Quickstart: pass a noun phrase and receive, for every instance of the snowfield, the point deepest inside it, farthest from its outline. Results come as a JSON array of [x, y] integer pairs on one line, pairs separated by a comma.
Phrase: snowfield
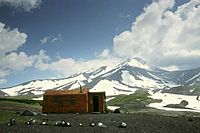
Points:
[[112, 88], [168, 98], [127, 78]]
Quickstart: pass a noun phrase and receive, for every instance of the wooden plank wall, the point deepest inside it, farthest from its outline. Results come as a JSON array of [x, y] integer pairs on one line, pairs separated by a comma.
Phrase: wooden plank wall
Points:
[[70, 103]]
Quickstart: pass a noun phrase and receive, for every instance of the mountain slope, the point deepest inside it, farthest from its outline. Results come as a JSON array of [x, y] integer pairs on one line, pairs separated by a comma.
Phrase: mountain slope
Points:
[[125, 78]]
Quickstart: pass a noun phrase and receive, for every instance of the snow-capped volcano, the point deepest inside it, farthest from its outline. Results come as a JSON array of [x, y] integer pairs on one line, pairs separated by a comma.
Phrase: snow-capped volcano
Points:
[[127, 77]]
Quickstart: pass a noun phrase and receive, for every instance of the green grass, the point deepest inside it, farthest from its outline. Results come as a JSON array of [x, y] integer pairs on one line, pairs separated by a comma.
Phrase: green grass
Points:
[[20, 105], [5, 116], [27, 96], [135, 101], [9, 107], [27, 101]]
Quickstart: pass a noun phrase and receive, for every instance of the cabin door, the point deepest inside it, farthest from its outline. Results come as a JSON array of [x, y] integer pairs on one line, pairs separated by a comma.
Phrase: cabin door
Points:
[[95, 103]]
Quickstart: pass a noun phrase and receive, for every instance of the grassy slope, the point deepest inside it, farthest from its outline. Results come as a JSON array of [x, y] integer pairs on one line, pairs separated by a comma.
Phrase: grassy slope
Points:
[[9, 107], [135, 101], [29, 96]]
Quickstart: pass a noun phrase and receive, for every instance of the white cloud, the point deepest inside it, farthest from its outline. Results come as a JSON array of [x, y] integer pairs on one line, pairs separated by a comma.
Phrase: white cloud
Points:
[[44, 40], [26, 5], [41, 60], [171, 68], [67, 66], [16, 61], [10, 60], [163, 37], [10, 39], [104, 54], [51, 39], [3, 81]]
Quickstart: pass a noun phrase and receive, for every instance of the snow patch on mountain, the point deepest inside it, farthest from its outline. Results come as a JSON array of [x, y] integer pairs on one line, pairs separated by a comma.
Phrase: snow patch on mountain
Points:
[[142, 82], [40, 86], [76, 85], [100, 71], [194, 77], [112, 88], [168, 98], [138, 63]]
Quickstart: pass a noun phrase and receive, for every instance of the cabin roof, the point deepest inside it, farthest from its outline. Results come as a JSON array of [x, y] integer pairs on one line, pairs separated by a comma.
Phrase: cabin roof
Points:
[[66, 92]]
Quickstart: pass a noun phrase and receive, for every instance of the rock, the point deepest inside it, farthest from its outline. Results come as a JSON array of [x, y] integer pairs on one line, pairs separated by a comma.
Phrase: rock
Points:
[[28, 113], [101, 125], [27, 123], [80, 124], [126, 112], [183, 103], [68, 124], [18, 112], [58, 123], [12, 122], [32, 121], [44, 122], [190, 119], [92, 124], [62, 123], [123, 125], [116, 111]]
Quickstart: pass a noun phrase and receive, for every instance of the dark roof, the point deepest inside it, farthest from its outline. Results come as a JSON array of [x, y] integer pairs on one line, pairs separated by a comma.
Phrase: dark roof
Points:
[[66, 92]]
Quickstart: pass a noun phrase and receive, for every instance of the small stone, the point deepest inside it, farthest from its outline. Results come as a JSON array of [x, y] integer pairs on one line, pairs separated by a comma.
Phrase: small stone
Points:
[[101, 125], [92, 124], [44, 123], [68, 124], [123, 125]]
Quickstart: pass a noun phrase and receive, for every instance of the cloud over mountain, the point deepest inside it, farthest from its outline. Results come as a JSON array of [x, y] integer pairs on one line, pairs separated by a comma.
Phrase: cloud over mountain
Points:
[[163, 35]]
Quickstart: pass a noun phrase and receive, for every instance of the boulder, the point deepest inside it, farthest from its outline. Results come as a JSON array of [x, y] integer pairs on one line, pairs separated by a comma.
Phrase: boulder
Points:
[[116, 111], [28, 113]]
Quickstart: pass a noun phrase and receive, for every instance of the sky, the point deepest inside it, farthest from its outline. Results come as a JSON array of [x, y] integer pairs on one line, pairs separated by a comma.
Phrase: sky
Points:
[[42, 39]]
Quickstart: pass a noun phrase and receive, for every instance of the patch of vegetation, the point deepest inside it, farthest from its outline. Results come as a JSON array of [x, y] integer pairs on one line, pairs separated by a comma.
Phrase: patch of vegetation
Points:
[[27, 101], [28, 96], [135, 101], [19, 105], [5, 116], [12, 108]]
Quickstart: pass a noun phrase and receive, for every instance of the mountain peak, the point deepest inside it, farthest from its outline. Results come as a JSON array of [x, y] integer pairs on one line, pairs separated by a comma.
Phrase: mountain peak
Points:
[[135, 62]]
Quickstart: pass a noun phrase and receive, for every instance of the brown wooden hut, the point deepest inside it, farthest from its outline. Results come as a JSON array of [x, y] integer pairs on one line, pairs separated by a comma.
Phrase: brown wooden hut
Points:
[[73, 101]]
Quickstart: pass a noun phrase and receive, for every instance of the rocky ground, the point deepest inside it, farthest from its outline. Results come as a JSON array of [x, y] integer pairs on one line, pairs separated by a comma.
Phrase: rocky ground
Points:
[[136, 123]]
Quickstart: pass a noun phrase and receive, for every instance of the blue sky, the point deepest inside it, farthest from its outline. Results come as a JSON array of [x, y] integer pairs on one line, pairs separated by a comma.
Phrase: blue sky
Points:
[[51, 39]]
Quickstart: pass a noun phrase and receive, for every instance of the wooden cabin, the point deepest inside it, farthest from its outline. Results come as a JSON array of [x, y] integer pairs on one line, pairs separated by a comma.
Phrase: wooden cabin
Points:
[[73, 101]]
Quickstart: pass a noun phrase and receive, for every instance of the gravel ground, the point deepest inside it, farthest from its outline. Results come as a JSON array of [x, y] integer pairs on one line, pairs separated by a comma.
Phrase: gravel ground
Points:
[[136, 123]]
